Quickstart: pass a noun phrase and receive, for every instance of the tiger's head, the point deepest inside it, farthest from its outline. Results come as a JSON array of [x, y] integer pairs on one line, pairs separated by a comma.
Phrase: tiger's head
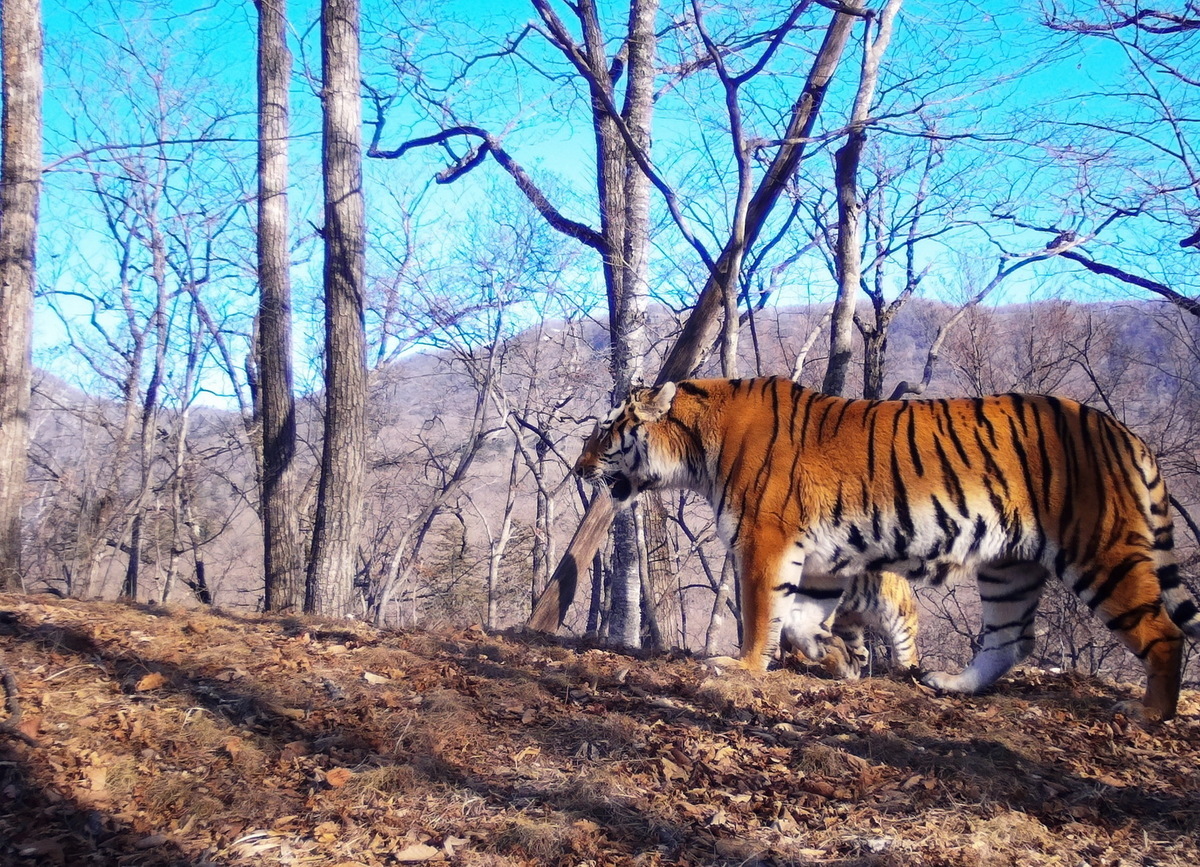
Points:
[[618, 452]]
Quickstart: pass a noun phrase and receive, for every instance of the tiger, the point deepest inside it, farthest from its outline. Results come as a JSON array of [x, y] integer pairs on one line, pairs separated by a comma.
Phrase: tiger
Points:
[[882, 603], [810, 490]]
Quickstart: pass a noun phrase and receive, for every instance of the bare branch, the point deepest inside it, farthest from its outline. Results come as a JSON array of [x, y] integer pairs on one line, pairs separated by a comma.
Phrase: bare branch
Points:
[[603, 97], [1154, 21], [1061, 246], [1184, 302], [489, 145]]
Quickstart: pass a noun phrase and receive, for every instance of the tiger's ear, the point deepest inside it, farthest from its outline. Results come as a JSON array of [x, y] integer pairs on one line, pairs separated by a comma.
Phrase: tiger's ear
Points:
[[653, 404]]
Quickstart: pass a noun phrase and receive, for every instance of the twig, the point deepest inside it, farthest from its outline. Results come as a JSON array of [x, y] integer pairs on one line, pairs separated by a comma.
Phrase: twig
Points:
[[10, 725]]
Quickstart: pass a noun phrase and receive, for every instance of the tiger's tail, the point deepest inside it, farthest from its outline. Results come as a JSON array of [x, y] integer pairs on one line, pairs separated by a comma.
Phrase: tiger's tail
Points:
[[1180, 605]]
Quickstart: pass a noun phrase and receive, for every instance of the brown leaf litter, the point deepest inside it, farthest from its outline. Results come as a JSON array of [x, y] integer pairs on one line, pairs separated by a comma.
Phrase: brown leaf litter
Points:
[[173, 737]]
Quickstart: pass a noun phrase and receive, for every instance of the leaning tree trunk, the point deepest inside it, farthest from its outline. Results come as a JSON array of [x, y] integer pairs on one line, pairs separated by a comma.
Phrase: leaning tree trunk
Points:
[[282, 556], [330, 583], [20, 184]]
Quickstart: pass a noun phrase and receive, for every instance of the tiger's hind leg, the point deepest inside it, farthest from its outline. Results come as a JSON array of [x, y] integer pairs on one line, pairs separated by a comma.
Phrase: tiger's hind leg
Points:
[[1010, 597], [1128, 599], [850, 629]]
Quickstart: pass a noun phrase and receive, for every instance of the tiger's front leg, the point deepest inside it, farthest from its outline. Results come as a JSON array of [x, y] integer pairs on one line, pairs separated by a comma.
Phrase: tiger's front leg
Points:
[[779, 600], [756, 569]]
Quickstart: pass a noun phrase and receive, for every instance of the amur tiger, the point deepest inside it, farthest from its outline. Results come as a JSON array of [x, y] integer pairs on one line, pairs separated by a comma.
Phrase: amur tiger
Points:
[[811, 490], [882, 603]]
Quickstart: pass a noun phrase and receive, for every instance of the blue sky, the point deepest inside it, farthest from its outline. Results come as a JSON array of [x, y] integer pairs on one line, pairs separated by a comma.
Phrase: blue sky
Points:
[[1000, 69]]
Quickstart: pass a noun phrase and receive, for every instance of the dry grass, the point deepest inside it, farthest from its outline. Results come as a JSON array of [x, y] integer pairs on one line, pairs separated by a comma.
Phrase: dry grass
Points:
[[264, 741]]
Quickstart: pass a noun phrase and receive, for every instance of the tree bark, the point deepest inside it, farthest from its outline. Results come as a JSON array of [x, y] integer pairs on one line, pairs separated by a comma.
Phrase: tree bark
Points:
[[282, 556], [159, 325], [20, 185], [331, 570], [849, 262]]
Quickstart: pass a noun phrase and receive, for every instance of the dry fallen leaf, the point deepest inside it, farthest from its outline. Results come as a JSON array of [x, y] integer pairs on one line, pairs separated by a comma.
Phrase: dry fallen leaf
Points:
[[784, 769], [417, 852], [44, 851], [153, 680], [294, 750]]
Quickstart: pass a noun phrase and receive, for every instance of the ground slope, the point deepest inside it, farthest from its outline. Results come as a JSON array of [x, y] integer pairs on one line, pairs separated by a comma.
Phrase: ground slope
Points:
[[163, 736]]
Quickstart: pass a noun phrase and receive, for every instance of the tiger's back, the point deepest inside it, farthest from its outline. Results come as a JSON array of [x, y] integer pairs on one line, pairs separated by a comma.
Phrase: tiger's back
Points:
[[810, 490]]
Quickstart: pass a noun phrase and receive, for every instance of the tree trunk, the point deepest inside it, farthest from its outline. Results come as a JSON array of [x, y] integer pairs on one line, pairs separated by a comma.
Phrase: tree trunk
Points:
[[657, 570], [721, 601], [330, 583], [848, 254], [874, 356], [499, 544], [625, 199], [624, 196], [160, 327], [180, 470], [282, 556], [849, 262], [20, 185]]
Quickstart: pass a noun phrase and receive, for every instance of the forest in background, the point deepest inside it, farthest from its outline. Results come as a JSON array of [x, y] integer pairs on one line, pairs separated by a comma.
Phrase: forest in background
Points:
[[304, 306], [324, 343], [469, 500]]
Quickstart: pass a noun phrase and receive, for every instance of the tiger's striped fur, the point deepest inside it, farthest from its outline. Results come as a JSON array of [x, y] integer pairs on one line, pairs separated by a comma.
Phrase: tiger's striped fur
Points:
[[810, 490]]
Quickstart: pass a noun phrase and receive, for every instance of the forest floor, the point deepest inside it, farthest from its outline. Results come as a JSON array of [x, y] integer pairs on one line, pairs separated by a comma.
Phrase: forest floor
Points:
[[151, 736]]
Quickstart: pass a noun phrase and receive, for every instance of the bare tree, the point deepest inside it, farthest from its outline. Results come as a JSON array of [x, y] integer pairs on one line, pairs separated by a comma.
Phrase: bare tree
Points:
[[276, 404], [20, 185], [1145, 127], [333, 562], [698, 332]]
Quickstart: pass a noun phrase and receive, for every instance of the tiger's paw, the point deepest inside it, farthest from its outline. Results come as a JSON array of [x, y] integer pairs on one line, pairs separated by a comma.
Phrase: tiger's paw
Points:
[[1138, 712], [944, 681], [718, 663]]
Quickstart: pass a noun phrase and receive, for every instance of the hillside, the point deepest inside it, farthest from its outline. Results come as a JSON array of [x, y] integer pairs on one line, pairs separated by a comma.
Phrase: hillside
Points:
[[167, 736]]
